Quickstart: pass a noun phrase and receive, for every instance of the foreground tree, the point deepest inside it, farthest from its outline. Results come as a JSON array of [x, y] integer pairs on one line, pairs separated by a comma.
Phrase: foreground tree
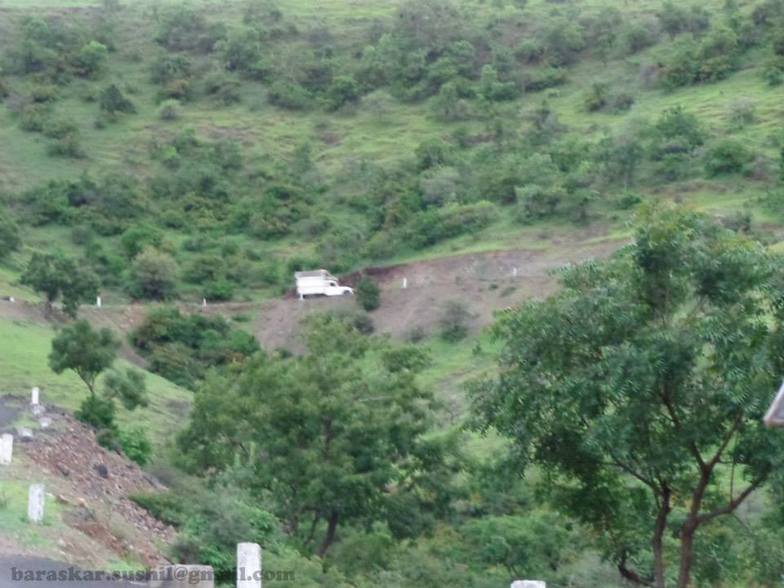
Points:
[[332, 437], [640, 388]]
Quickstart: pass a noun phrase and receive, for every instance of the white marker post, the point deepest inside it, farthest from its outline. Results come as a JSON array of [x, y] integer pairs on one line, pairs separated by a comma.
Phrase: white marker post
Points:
[[35, 503], [98, 301], [248, 565], [514, 272], [6, 448], [34, 393], [528, 584], [405, 283]]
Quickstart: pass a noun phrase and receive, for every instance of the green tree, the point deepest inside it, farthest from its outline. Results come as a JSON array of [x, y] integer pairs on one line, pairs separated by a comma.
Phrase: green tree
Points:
[[327, 435], [87, 352], [641, 386], [9, 235], [343, 90], [153, 275], [56, 276], [113, 101], [91, 58], [368, 293]]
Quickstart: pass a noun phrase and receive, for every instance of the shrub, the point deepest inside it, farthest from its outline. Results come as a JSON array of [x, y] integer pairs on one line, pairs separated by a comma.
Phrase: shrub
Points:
[[368, 294], [289, 95], [169, 110], [727, 157], [222, 88], [97, 412], [453, 324], [153, 275], [112, 101], [135, 445], [9, 235], [91, 58]]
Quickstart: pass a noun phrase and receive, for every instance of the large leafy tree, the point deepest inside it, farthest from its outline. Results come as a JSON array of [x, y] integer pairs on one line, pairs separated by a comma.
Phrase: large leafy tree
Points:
[[639, 389], [332, 437]]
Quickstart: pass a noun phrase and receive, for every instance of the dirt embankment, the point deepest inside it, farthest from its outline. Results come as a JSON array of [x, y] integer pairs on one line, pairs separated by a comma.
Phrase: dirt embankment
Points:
[[413, 295], [92, 487], [483, 282]]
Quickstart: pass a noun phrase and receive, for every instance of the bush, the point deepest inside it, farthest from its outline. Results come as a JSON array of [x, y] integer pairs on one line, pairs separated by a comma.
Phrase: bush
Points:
[[135, 445], [223, 89], [169, 110], [97, 412], [368, 294], [727, 157], [343, 90], [289, 95], [453, 324], [153, 275], [9, 235], [112, 101]]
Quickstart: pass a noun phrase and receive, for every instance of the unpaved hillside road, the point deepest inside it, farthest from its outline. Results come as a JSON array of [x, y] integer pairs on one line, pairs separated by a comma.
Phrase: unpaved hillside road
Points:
[[483, 282]]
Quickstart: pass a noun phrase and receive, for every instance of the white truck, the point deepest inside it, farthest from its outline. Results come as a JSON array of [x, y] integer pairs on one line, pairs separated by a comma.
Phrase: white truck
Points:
[[319, 283]]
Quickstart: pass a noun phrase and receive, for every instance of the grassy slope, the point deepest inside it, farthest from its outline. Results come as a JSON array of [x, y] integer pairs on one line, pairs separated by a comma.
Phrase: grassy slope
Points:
[[267, 133], [24, 348]]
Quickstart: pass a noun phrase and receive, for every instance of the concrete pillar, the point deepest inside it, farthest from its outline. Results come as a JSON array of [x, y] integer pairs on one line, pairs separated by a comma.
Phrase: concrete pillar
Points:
[[204, 303], [514, 272], [248, 565], [98, 301], [6, 448], [405, 283], [528, 584], [34, 393], [35, 503]]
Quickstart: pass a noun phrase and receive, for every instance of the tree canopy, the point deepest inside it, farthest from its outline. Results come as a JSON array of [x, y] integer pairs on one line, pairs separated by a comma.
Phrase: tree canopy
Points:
[[327, 435], [640, 388]]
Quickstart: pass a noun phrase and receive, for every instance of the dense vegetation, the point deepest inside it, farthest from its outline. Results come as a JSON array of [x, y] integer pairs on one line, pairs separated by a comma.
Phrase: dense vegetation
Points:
[[212, 209], [165, 152]]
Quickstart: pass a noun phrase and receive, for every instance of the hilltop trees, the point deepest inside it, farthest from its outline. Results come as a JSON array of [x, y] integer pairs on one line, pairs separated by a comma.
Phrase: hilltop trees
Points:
[[640, 389]]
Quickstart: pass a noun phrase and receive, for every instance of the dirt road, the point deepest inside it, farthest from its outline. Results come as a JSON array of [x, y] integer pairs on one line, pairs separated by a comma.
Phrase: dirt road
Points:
[[483, 282]]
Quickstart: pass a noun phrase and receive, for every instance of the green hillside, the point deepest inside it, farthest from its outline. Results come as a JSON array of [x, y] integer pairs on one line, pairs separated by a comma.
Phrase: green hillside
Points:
[[158, 151], [263, 137]]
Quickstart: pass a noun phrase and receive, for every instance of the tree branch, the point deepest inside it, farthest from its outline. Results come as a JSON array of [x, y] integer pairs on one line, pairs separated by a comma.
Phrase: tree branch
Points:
[[732, 504]]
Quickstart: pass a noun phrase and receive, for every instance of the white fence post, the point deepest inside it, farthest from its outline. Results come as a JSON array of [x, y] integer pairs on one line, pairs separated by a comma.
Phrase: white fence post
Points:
[[248, 565], [528, 584], [35, 503], [34, 393], [6, 448]]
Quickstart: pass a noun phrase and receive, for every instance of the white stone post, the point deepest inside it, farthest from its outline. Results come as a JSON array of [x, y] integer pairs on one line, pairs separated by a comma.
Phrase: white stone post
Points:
[[248, 565], [98, 301], [204, 303], [34, 395], [514, 272], [405, 283], [35, 503], [6, 448], [528, 584]]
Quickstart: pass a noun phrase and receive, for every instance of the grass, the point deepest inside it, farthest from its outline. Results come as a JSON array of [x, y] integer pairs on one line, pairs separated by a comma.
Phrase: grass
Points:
[[13, 515], [24, 348]]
